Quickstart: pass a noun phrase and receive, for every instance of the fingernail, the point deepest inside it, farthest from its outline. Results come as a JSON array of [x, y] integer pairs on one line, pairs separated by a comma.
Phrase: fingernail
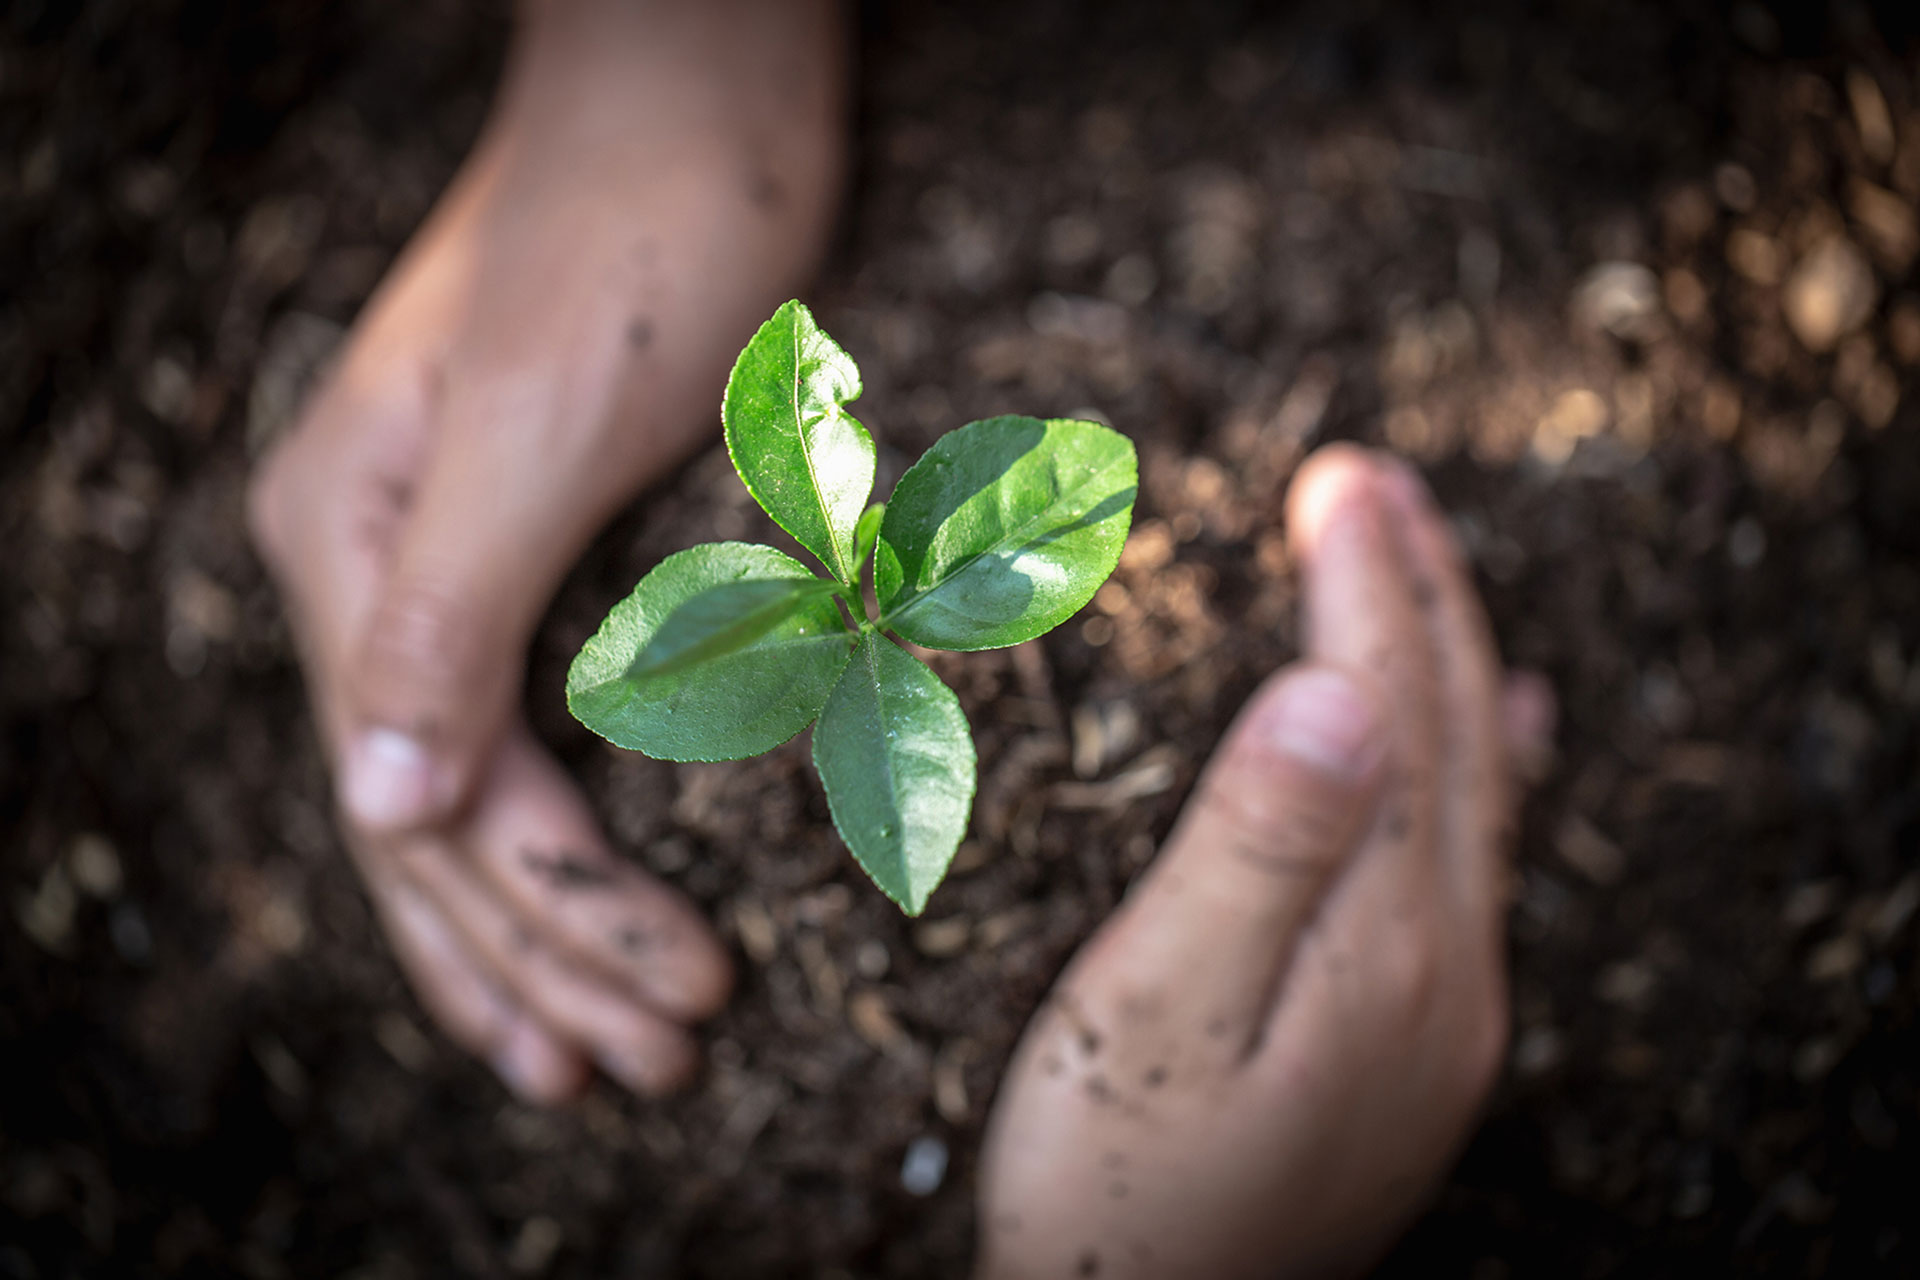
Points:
[[1323, 720], [523, 1062], [389, 780]]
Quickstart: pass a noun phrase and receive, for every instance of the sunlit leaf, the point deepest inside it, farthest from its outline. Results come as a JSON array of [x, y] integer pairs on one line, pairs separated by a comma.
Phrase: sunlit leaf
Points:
[[713, 623], [1003, 530], [804, 459], [746, 693]]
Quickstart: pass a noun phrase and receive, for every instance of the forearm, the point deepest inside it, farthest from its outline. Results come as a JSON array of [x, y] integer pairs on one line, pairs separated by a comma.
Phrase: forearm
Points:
[[772, 71], [706, 143]]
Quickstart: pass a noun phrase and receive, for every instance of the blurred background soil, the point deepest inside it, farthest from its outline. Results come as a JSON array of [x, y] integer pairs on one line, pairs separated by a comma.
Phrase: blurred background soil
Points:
[[1633, 282]]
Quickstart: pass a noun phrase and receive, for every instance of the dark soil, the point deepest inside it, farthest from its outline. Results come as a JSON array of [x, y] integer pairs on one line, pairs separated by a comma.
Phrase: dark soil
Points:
[[1234, 236]]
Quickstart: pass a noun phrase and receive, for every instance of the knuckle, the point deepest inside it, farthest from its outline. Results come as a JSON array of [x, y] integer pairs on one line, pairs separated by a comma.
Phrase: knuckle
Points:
[[1285, 825], [429, 631]]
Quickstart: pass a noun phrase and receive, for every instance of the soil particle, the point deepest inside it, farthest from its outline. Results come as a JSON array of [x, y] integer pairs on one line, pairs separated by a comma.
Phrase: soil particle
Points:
[[1830, 294], [568, 870]]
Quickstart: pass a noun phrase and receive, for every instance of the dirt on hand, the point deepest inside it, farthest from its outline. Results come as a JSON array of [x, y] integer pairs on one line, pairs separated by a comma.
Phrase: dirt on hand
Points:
[[1634, 284]]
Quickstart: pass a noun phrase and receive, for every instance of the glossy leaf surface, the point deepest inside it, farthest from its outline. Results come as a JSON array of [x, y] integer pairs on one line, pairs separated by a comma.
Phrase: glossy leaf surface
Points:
[[866, 533], [680, 671], [895, 754], [1003, 530], [720, 620], [804, 459]]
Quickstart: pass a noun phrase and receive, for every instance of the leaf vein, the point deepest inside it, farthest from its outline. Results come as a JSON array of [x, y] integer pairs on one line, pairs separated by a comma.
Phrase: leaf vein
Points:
[[839, 566], [1020, 534]]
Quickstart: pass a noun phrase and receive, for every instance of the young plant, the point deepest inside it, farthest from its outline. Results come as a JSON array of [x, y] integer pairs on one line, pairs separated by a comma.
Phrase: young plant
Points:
[[998, 534]]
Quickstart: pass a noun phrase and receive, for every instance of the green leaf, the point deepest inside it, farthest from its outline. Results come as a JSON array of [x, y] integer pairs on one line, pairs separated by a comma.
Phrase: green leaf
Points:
[[864, 534], [804, 459], [667, 675], [1003, 530], [896, 758], [721, 619]]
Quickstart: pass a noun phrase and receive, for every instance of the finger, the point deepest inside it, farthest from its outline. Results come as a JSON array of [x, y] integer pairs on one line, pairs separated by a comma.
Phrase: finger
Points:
[[327, 504], [1475, 786], [325, 509], [636, 1046], [1361, 614], [543, 854], [1273, 818], [509, 496], [436, 673], [470, 1008], [1529, 715]]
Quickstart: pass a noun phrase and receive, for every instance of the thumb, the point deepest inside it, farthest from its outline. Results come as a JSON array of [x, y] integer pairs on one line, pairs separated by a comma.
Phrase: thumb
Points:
[[436, 673], [1269, 827]]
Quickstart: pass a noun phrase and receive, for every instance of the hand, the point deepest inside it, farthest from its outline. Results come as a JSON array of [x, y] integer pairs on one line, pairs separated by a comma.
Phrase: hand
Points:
[[653, 181], [1264, 1062]]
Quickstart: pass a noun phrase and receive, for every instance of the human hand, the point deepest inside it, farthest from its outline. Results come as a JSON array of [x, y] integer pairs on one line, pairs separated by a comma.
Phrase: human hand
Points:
[[653, 180], [1262, 1064]]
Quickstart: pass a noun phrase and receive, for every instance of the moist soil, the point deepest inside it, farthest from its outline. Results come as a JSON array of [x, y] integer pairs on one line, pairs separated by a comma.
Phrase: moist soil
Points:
[[1582, 266]]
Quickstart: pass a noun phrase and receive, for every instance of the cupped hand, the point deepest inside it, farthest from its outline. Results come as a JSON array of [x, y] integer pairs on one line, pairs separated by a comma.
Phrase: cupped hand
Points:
[[1264, 1062], [653, 181]]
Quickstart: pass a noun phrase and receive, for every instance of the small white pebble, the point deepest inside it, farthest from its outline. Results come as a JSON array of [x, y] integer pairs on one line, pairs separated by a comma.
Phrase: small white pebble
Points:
[[925, 1166]]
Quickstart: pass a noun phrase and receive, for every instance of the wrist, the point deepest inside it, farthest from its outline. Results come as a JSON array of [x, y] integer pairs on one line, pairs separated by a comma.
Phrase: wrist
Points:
[[687, 156], [736, 85], [770, 59]]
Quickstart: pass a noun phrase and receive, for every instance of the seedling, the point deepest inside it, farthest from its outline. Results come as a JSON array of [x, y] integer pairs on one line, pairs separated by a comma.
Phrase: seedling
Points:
[[998, 534]]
